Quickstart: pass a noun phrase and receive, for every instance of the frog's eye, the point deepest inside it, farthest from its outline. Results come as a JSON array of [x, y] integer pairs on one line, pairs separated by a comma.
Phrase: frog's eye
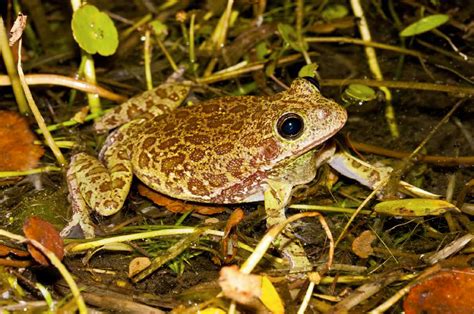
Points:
[[290, 126], [313, 81]]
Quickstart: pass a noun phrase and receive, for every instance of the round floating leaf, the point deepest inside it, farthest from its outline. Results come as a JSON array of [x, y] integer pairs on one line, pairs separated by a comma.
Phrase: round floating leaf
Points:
[[335, 11], [289, 36], [360, 92], [425, 24], [94, 31]]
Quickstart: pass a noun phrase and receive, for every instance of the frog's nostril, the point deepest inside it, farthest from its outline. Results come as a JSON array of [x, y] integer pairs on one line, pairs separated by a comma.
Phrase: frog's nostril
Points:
[[290, 126]]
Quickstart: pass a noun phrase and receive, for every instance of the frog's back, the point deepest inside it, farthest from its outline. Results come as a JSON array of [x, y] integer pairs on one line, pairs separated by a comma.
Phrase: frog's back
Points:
[[222, 150]]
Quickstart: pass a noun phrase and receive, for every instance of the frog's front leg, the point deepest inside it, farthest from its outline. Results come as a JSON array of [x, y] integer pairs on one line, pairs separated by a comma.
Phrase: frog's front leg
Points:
[[276, 197], [101, 186]]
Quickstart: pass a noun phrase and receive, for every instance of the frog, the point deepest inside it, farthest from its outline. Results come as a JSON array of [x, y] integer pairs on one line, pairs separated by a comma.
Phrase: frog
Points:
[[227, 150]]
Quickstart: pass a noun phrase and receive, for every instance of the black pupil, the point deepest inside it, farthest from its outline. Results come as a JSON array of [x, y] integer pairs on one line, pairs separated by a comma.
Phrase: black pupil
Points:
[[290, 126]]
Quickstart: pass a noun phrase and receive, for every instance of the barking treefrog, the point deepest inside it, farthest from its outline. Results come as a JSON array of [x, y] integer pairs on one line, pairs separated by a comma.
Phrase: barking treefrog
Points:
[[225, 150]]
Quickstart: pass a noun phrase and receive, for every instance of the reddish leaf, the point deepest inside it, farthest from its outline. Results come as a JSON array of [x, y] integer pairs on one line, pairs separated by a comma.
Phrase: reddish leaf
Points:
[[16, 143], [362, 245], [42, 231], [6, 250], [234, 219], [447, 291], [177, 206]]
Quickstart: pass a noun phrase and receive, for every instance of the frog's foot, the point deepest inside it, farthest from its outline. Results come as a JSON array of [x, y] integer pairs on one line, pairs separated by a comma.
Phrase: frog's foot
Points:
[[80, 218], [78, 221], [371, 176], [103, 189], [276, 199], [292, 249], [93, 186]]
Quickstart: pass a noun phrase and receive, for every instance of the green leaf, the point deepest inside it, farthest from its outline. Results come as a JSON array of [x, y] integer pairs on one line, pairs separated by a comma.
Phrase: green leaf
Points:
[[360, 92], [425, 24], [94, 31], [159, 28], [308, 70], [262, 50], [334, 11], [414, 207], [289, 36]]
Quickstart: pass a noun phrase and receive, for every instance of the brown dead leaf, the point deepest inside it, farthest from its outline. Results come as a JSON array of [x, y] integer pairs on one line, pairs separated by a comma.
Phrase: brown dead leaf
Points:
[[42, 231], [16, 144], [447, 291], [17, 29], [243, 288], [362, 245], [230, 240], [6, 250], [251, 290], [137, 265], [177, 206]]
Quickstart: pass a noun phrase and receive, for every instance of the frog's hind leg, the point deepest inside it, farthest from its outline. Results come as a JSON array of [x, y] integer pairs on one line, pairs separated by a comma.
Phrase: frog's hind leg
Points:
[[101, 186], [152, 103]]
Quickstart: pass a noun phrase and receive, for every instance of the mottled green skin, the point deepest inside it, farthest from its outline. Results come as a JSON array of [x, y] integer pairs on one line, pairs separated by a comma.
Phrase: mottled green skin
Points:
[[219, 151]]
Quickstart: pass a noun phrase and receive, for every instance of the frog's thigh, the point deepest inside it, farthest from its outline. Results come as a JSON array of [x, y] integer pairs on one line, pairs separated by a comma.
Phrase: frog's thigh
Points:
[[155, 102], [103, 189]]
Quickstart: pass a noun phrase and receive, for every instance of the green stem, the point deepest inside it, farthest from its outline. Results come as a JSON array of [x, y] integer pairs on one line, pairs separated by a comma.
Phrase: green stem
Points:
[[402, 85], [11, 70], [147, 60], [8, 174], [89, 74], [37, 114]]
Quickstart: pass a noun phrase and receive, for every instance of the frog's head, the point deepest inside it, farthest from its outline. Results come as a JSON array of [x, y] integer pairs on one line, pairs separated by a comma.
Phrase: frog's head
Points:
[[305, 118]]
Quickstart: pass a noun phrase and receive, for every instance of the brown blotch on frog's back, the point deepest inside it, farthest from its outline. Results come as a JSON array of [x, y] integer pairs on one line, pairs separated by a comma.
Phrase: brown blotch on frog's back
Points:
[[148, 142], [237, 126], [223, 149], [238, 108], [168, 143], [196, 154], [234, 166], [211, 107], [169, 165], [182, 114], [143, 160], [197, 187], [197, 139], [216, 180]]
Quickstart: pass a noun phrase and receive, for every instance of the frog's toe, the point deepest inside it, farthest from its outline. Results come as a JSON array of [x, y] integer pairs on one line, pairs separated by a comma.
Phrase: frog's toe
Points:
[[77, 228]]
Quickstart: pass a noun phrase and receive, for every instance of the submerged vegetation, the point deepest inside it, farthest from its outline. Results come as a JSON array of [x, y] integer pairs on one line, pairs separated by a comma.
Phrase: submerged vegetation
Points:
[[402, 69]]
